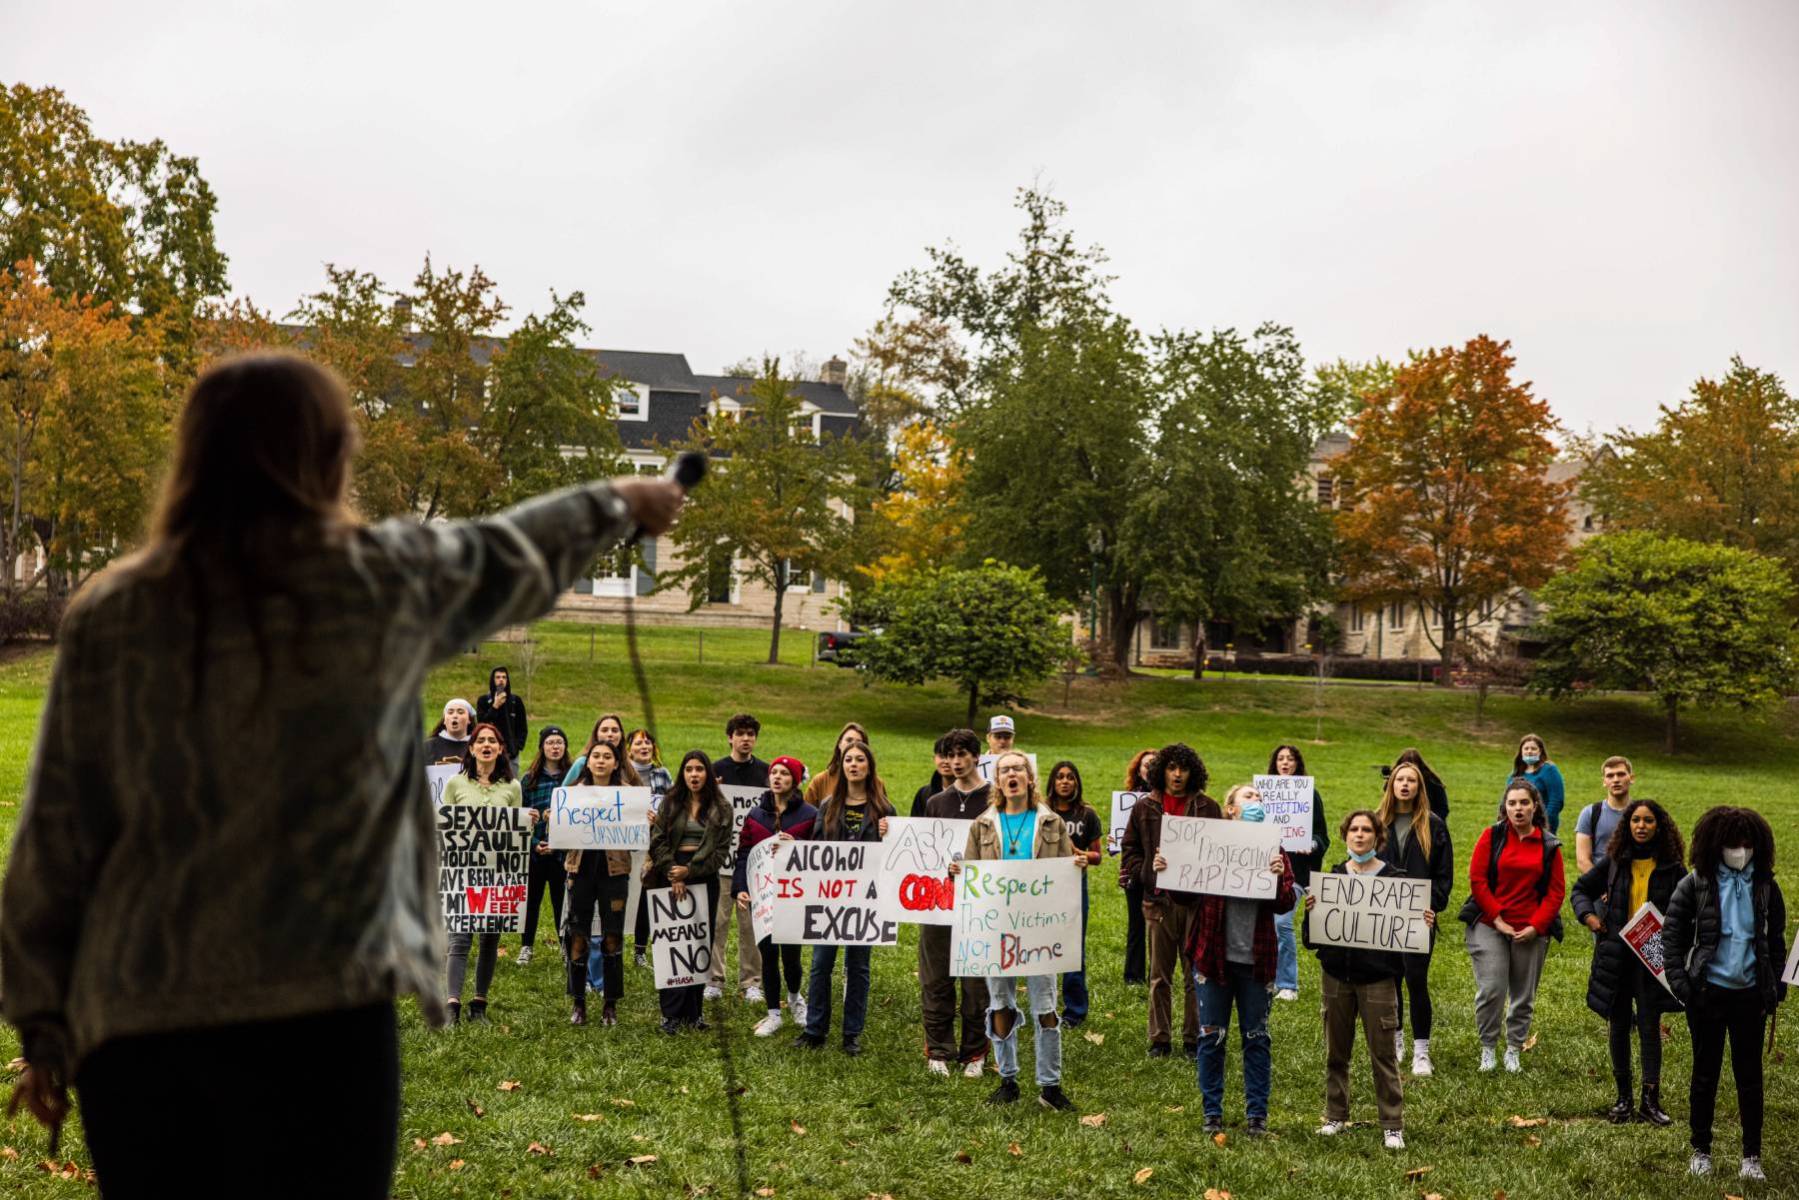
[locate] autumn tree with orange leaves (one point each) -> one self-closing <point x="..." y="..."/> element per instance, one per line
<point x="1448" y="462"/>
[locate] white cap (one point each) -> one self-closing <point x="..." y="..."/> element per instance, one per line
<point x="1000" y="725"/>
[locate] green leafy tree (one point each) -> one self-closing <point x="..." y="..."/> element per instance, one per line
<point x="1688" y="622"/>
<point x="778" y="502"/>
<point x="991" y="630"/>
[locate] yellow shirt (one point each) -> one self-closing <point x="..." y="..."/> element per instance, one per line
<point x="1640" y="871"/>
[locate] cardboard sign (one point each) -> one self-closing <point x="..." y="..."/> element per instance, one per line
<point x="483" y="866"/>
<point x="1017" y="917"/>
<point x="760" y="875"/>
<point x="1373" y="912"/>
<point x="600" y="818"/>
<point x="986" y="761"/>
<point x="1220" y="858"/>
<point x="913" y="882"/>
<point x="1643" y="934"/>
<point x="440" y="774"/>
<point x="742" y="800"/>
<point x="1122" y="804"/>
<point x="1287" y="799"/>
<point x="825" y="895"/>
<point x="680" y="936"/>
<point x="1791" y="974"/>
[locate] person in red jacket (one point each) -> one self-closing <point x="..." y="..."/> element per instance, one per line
<point x="782" y="813"/>
<point x="1515" y="875"/>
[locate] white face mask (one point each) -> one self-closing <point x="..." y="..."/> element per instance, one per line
<point x="1737" y="857"/>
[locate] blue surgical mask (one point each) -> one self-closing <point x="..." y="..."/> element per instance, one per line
<point x="1362" y="858"/>
<point x="1252" y="811"/>
<point x="1531" y="760"/>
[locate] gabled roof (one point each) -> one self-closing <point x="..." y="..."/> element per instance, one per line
<point x="654" y="369"/>
<point x="825" y="397"/>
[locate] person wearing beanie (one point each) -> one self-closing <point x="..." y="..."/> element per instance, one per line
<point x="782" y="813"/>
<point x="538" y="785"/>
<point x="448" y="742"/>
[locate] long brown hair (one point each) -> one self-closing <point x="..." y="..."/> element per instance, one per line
<point x="1133" y="774"/>
<point x="1421" y="813"/>
<point x="623" y="773"/>
<point x="831" y="818"/>
<point x="837" y="751"/>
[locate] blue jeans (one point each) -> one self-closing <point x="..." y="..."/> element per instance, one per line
<point x="1074" y="983"/>
<point x="1286" y="968"/>
<point x="1216" y="997"/>
<point x="596" y="966"/>
<point x="819" y="989"/>
<point x="1046" y="1040"/>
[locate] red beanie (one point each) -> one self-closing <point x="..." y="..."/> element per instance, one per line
<point x="794" y="766"/>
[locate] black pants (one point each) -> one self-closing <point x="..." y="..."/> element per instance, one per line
<point x="590" y="887"/>
<point x="546" y="875"/>
<point x="1633" y="994"/>
<point x="1136" y="955"/>
<point x="1714" y="1014"/>
<point x="224" y="1092"/>
<point x="774" y="965"/>
<point x="1417" y="982"/>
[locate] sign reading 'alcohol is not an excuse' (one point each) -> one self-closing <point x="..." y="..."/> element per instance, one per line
<point x="825" y="895"/>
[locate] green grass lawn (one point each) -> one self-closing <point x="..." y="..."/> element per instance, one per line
<point x="824" y="1125"/>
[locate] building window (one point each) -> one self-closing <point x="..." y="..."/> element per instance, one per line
<point x="1165" y="634"/>
<point x="798" y="577"/>
<point x="1326" y="491"/>
<point x="1345" y="493"/>
<point x="720" y="578"/>
<point x="1396" y="615"/>
<point x="633" y="402"/>
<point x="615" y="574"/>
<point x="1587" y="524"/>
<point x="1357" y="618"/>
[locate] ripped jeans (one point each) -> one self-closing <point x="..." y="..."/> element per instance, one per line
<point x="1046" y="1036"/>
<point x="1251" y="998"/>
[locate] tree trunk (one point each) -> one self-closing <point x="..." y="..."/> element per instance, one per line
<point x="774" y="638"/>
<point x="1671" y="736"/>
<point x="974" y="694"/>
<point x="1121" y="613"/>
<point x="1199" y="649"/>
<point x="1446" y="675"/>
<point x="1480" y="703"/>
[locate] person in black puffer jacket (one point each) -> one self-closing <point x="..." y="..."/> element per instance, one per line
<point x="1422" y="849"/>
<point x="1724" y="947"/>
<point x="1643" y="863"/>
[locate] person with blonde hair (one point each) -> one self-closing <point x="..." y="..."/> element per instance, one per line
<point x="1417" y="843"/>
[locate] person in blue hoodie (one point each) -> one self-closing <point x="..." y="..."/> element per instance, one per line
<point x="1532" y="762"/>
<point x="781" y="813"/>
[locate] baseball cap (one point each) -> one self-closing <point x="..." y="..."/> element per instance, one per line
<point x="1000" y="725"/>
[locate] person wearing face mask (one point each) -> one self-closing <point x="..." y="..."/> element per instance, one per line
<point x="1643" y="864"/>
<point x="1231" y="953"/>
<point x="1515" y="877"/>
<point x="1724" y="947"/>
<point x="1417" y="843"/>
<point x="1287" y="760"/>
<point x="1532" y="763"/>
<point x="449" y="739"/>
<point x="1362" y="984"/>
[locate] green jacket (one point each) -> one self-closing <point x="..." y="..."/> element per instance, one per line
<point x="703" y="867"/>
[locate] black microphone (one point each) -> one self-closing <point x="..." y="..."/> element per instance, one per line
<point x="689" y="469"/>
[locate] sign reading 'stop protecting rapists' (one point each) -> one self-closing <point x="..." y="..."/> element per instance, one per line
<point x="1220" y="858"/>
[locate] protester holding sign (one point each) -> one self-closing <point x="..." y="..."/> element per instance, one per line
<point x="609" y="729"/>
<point x="1724" y="944"/>
<point x="966" y="797"/>
<point x="688" y="842"/>
<point x="1289" y="762"/>
<point x="1177" y="788"/>
<point x="646" y="760"/>
<point x="784" y="814"/>
<point x="1532" y="762"/>
<point x="738" y="768"/>
<point x="821" y="785"/>
<point x="540" y="781"/>
<point x="1361" y="983"/>
<point x="1019" y="827"/>
<point x="1515" y="877"/>
<point x="486" y="779"/>
<point x="856" y="811"/>
<point x="1085" y="831"/>
<point x="1643" y="865"/>
<point x="1417" y="843"/>
<point x="449" y="737"/>
<point x="602" y="879"/>
<point x="1136" y="955"/>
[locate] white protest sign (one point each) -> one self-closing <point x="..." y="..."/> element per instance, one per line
<point x="483" y="870"/>
<point x="1220" y="858"/>
<point x="680" y="936"/>
<point x="742" y="800"/>
<point x="986" y="761"/>
<point x="1287" y="799"/>
<point x="760" y="877"/>
<point x="1373" y="912"/>
<point x="440" y="774"/>
<point x="913" y="882"/>
<point x="825" y="896"/>
<point x="600" y="818"/>
<point x="1017" y="917"/>
<point x="1643" y="934"/>
<point x="1791" y="974"/>
<point x="1122" y="804"/>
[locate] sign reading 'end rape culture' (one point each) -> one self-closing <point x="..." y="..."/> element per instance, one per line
<point x="1017" y="917"/>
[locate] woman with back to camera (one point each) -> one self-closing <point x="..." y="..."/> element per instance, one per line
<point x="259" y="604"/>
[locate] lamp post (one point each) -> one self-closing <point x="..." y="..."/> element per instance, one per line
<point x="1096" y="544"/>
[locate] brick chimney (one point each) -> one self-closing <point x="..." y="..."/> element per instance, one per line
<point x="403" y="312"/>
<point x="835" y="372"/>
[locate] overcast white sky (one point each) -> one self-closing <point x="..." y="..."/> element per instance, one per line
<point x="1612" y="185"/>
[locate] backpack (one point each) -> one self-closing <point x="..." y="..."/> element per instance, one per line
<point x="1496" y="845"/>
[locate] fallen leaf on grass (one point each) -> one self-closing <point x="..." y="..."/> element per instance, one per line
<point x="1517" y="1122"/>
<point x="67" y="1170"/>
<point x="638" y="1137"/>
<point x="589" y="1117"/>
<point x="1094" y="1120"/>
<point x="683" y="1089"/>
<point x="624" y="1103"/>
<point x="881" y="1196"/>
<point x="1433" y="1196"/>
<point x="1174" y="1108"/>
<point x="419" y="1143"/>
<point x="1530" y="1041"/>
<point x="1417" y="1173"/>
<point x="1498" y="1194"/>
<point x="965" y="1158"/>
<point x="1098" y="1039"/>
<point x="798" y="1129"/>
<point x="538" y="1148"/>
<point x="475" y="1108"/>
<point x="1219" y="1139"/>
<point x="14" y="1066"/>
<point x="594" y="1169"/>
<point x="9" y="1154"/>
<point x="1217" y="1194"/>
<point x="456" y="1164"/>
<point x="640" y="1160"/>
<point x="1533" y="1140"/>
<point x="765" y="1191"/>
<point x="446" y="1138"/>
<point x="1015" y="1150"/>
<point x="1142" y="1176"/>
<point x="509" y="1085"/>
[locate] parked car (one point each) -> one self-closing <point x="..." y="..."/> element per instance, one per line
<point x="836" y="647"/>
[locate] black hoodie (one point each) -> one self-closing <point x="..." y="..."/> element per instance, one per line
<point x="508" y="718"/>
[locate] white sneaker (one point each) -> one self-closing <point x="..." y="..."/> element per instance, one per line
<point x="1393" y="1139"/>
<point x="1488" y="1059"/>
<point x="1752" y="1168"/>
<point x="713" y="993"/>
<point x="1699" y="1164"/>
<point x="937" y="1066"/>
<point x="1421" y="1057"/>
<point x="1512" y="1061"/>
<point x="1332" y="1128"/>
<point x="1287" y="994"/>
<point x="796" y="1007"/>
<point x="524" y="956"/>
<point x="752" y="995"/>
<point x="767" y="1026"/>
<point x="973" y="1070"/>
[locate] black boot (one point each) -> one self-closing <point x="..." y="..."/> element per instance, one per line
<point x="1621" y="1112"/>
<point x="1651" y="1110"/>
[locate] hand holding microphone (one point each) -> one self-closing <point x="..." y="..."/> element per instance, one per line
<point x="655" y="503"/>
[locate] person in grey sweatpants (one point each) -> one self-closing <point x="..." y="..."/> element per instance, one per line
<point x="1504" y="969"/>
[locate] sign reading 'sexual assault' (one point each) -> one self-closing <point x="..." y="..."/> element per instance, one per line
<point x="600" y="818"/>
<point x="483" y="866"/>
<point x="825" y="895"/>
<point x="1017" y="917"/>
<point x="914" y="881"/>
<point x="1375" y="912"/>
<point x="1221" y="858"/>
<point x="680" y="936"/>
